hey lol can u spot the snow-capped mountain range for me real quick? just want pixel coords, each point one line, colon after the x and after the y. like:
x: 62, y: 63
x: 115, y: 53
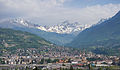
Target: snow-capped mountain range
x: 64, y: 28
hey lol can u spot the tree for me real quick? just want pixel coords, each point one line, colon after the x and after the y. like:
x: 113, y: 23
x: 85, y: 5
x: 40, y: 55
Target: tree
x: 54, y: 69
x: 90, y: 67
x: 119, y: 63
x: 100, y: 68
x: 71, y: 67
x: 1, y: 61
x: 63, y: 64
x: 42, y: 61
x: 60, y: 68
x: 55, y: 60
x: 69, y: 60
x: 78, y: 69
x: 66, y: 69
x: 49, y: 60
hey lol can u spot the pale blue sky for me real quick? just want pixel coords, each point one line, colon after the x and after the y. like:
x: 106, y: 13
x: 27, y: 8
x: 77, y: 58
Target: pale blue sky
x: 52, y: 12
x: 84, y: 3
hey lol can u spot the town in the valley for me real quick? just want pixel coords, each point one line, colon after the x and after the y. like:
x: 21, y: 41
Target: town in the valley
x: 56, y: 58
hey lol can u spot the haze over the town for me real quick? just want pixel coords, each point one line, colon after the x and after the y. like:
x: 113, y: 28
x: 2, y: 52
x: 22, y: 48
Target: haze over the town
x: 52, y: 12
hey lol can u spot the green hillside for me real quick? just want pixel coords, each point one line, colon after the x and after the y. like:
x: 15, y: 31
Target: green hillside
x: 18, y: 39
x: 58, y: 39
x: 106, y: 34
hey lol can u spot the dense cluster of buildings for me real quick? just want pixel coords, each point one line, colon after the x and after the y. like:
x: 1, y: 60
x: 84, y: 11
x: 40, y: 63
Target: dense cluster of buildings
x: 47, y: 58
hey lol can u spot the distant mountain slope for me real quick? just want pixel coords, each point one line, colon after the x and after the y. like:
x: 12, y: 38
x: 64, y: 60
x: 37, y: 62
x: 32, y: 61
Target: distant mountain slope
x: 23, y: 25
x: 59, y: 39
x: 106, y: 34
x: 19, y: 39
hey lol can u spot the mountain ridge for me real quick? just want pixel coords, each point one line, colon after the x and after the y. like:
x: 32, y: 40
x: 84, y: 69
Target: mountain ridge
x: 65, y: 28
x: 103, y: 34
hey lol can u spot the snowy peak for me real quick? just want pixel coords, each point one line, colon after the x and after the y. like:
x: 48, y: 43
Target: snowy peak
x: 20, y: 21
x: 23, y: 22
x: 65, y: 28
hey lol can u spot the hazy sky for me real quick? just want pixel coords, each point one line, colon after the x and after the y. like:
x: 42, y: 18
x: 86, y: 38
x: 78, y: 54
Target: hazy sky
x: 51, y: 12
